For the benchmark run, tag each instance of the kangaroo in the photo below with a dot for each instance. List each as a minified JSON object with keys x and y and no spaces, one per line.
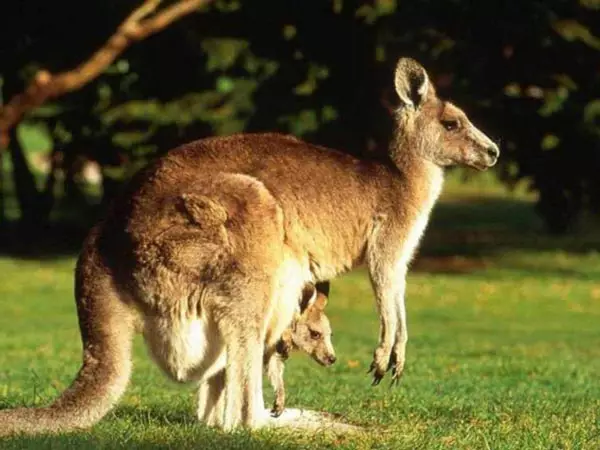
{"x":215,"y":280}
{"x":310,"y":332}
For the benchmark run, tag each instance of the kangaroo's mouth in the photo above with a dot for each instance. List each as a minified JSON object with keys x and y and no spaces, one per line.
{"x":485,"y":160}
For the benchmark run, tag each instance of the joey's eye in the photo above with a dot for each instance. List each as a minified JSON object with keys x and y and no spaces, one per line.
{"x":315,"y":334}
{"x":450,"y":125}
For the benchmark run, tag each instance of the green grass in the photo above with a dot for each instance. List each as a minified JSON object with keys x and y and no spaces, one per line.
{"x":504,"y":351}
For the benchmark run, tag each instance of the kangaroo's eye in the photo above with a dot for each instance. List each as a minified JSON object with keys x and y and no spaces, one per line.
{"x":315,"y":334}
{"x":450,"y":125}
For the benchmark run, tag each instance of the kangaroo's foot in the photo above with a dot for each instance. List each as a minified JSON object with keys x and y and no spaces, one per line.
{"x":278,"y":407}
{"x":381,"y":363}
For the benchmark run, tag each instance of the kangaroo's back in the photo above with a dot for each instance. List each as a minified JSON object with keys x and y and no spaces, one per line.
{"x":328,"y":198}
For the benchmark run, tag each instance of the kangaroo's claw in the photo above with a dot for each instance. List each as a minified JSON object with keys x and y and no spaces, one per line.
{"x":380,"y":364}
{"x":372,"y":368}
{"x":376,"y":379}
{"x":276,"y":411}
{"x":397,"y":368}
{"x":396,"y":376}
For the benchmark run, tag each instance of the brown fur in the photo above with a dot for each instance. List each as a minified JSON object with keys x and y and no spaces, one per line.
{"x":211,"y":243}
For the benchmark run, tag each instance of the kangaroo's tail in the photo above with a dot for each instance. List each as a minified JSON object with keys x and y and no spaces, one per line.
{"x":107,"y":326}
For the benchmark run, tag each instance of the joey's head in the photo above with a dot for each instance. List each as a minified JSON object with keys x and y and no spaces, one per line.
{"x":311,"y":330}
{"x":434,"y":129}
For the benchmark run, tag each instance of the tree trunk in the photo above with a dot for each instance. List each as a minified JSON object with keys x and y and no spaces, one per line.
{"x":2,"y":188}
{"x":32,"y":203}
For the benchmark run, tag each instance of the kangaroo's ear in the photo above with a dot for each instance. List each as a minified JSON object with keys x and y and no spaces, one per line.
{"x":411,"y":82}
{"x":309,"y":296}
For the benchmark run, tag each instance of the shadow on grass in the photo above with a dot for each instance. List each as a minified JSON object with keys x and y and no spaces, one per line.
{"x":142,"y":428}
{"x":477,"y":266}
{"x":161,"y":426}
{"x":489,"y":226}
{"x":151,"y":439}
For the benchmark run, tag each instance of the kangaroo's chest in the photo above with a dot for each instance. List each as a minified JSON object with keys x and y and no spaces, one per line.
{"x":327,"y":244}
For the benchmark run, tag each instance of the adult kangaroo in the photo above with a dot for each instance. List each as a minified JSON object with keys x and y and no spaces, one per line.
{"x":210,"y":246}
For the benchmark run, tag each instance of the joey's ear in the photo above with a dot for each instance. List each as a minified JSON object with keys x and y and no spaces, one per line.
{"x":309,"y":295}
{"x":411,"y":82}
{"x":323,"y":286}
{"x":321,"y":301}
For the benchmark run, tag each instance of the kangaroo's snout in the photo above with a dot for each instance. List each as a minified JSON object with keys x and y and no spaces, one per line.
{"x":493,"y":153}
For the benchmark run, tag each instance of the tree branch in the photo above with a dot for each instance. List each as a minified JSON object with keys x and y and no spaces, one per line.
{"x":136,"y":27}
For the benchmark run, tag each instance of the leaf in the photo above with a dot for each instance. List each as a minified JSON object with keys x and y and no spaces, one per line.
{"x":225,"y":85}
{"x":572,"y":30}
{"x":565,"y":80}
{"x":550,"y":141}
{"x":590,"y":4}
{"x":35,"y":136}
{"x":554,"y":101}
{"x":591,"y":115}
{"x":223,"y":53}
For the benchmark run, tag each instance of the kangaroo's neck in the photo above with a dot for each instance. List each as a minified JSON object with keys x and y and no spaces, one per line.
{"x":416,"y":191}
{"x":422,"y":183}
{"x":410,"y":150}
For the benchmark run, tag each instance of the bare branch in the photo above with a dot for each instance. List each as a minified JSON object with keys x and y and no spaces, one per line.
{"x":136,"y":27}
{"x":142,"y":12}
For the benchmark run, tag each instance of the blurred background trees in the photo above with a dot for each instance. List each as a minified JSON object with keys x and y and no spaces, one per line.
{"x":527,"y":72}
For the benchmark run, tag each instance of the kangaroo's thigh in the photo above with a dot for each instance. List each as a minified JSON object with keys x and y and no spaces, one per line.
{"x":243,"y":330}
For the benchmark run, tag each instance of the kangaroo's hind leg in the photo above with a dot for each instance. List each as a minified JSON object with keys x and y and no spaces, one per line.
{"x":244,"y":404}
{"x":211,"y":399}
{"x":243,"y":330}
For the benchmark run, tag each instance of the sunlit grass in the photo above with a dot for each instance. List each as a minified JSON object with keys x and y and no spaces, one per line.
{"x":507,"y":356}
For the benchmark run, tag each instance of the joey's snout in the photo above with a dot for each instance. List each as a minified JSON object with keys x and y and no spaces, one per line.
{"x":325,"y":355}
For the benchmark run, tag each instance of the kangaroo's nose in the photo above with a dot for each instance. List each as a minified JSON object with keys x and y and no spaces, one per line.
{"x":331,"y":359}
{"x":493,"y":151}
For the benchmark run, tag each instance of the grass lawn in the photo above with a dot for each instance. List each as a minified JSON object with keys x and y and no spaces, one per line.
{"x":504,"y":350}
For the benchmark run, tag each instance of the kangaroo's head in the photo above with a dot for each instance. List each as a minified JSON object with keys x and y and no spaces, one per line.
{"x":311,"y":330}
{"x":434,"y":129}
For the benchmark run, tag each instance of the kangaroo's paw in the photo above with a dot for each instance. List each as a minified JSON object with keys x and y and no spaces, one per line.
{"x":278,"y":403}
{"x":277,"y":409}
{"x":380,"y":364}
{"x":396,"y":366}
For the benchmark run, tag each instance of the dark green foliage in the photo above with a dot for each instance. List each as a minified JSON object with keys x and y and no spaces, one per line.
{"x":526,"y":72}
